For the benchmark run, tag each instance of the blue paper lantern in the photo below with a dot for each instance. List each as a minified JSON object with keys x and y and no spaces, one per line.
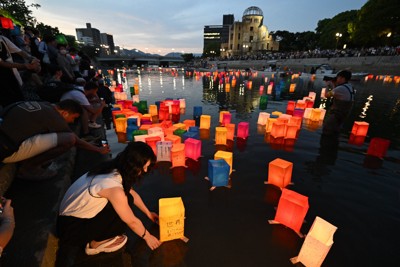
{"x":218,"y":172}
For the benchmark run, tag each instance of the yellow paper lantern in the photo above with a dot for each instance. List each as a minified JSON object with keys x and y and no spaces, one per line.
{"x":220,"y":135}
{"x":205,"y":121}
{"x":171,"y":218}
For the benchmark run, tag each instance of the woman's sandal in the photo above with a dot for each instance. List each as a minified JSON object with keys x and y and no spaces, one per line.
{"x":107,"y":246}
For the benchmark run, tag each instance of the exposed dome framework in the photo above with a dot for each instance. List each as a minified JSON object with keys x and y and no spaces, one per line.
{"x":253,"y":11}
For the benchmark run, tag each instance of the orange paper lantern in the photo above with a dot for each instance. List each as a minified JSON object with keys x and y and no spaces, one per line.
{"x":220,"y":135}
{"x":178,"y":155}
{"x":280,"y":172}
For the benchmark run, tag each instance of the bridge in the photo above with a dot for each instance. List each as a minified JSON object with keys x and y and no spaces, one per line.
{"x":140,"y":60}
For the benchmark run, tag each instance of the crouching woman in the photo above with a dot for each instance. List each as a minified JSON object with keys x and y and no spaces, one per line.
{"x":95,"y":210}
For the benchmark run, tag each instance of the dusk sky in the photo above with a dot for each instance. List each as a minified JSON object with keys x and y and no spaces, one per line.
{"x":176,"y":25}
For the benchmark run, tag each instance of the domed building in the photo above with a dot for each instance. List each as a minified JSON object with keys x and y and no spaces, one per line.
{"x":239,"y":38}
{"x":249,"y":36}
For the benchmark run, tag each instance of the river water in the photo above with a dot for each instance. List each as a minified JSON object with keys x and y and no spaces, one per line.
{"x":357,"y":193}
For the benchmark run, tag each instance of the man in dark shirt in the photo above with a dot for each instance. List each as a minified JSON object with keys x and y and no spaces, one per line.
{"x":34,"y":133}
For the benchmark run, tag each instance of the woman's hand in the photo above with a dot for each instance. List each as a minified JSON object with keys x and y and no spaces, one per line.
{"x":151,"y":241}
{"x":153,"y":217}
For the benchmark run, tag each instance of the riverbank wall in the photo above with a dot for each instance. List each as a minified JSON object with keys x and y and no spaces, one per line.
{"x":377,"y":65}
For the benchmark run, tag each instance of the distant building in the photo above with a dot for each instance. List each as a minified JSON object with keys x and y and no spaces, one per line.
{"x":107,"y":44}
{"x":246,"y":37}
{"x":88,"y":36}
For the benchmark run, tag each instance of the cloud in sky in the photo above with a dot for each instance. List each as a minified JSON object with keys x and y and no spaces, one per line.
{"x":177,"y":24}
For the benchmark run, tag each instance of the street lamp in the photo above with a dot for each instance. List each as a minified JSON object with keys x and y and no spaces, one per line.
{"x":338,"y":35}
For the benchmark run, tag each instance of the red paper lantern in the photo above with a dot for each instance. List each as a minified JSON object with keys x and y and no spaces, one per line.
{"x":378,"y":147}
{"x":292,"y":209}
{"x":360,"y":128}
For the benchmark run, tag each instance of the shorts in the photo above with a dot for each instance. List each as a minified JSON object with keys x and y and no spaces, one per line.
{"x":33,"y":146}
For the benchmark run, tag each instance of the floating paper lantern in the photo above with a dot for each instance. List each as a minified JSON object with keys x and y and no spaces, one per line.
{"x":317,"y":244}
{"x":178,"y":155}
{"x":292,"y":87}
{"x":197,"y":111}
{"x":296,"y":120}
{"x":152,"y":142}
{"x":153,"y":111}
{"x":131,"y":126}
{"x":196,"y":131}
{"x":307,"y":113}
{"x":182,"y":103}
{"x":298,"y":112}
{"x":280,"y":172}
{"x":192,"y":148}
{"x":269,"y":88}
{"x":218,"y":172}
{"x":378,"y":147}
{"x":227,"y":156}
{"x":300,"y":104}
{"x":263,"y":118}
{"x":263,"y":102}
{"x":173,"y":138}
{"x":315,"y":114}
{"x":226,"y":118}
{"x":309,"y":103}
{"x":171,"y":218}
{"x":220,"y":135}
{"x":290,"y":107}
{"x":268,"y":126}
{"x":121,"y":124}
{"x":189,"y":123}
{"x":278,"y":129}
{"x":243,"y":130}
{"x":292,"y":209}
{"x":221,"y":115}
{"x":164,"y":150}
{"x":323,"y":93}
{"x":230,"y":134}
{"x":142,"y":106}
{"x":360,"y":128}
{"x":291,"y":131}
{"x":187,"y":135}
{"x":205,"y":121}
{"x":163,"y":113}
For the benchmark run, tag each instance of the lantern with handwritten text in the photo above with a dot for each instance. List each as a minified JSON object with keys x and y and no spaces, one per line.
{"x":205,"y":121}
{"x":178,"y":155}
{"x":220,"y":135}
{"x":164,"y":150}
{"x":171,"y":218}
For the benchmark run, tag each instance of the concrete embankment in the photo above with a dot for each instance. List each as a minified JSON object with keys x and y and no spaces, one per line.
{"x":377,"y":65}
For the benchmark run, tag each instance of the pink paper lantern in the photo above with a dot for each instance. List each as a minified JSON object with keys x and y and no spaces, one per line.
{"x":243,"y":130}
{"x":193,"y":148}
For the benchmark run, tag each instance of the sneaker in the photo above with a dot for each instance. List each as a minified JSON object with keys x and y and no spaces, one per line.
{"x":94,"y":125}
{"x":112,"y":245}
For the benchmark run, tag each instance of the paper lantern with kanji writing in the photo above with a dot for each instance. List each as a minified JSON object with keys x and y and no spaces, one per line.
{"x":178,"y":155}
{"x":360,"y":128}
{"x":227,"y":156}
{"x":193,"y":148}
{"x":218,"y":172}
{"x":243,"y":130}
{"x":378,"y":147}
{"x":292,"y":209}
{"x":220,"y":135}
{"x":317,"y":244}
{"x":280,"y":172}
{"x":263,"y":118}
{"x":171,"y":218}
{"x":164,"y":150}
